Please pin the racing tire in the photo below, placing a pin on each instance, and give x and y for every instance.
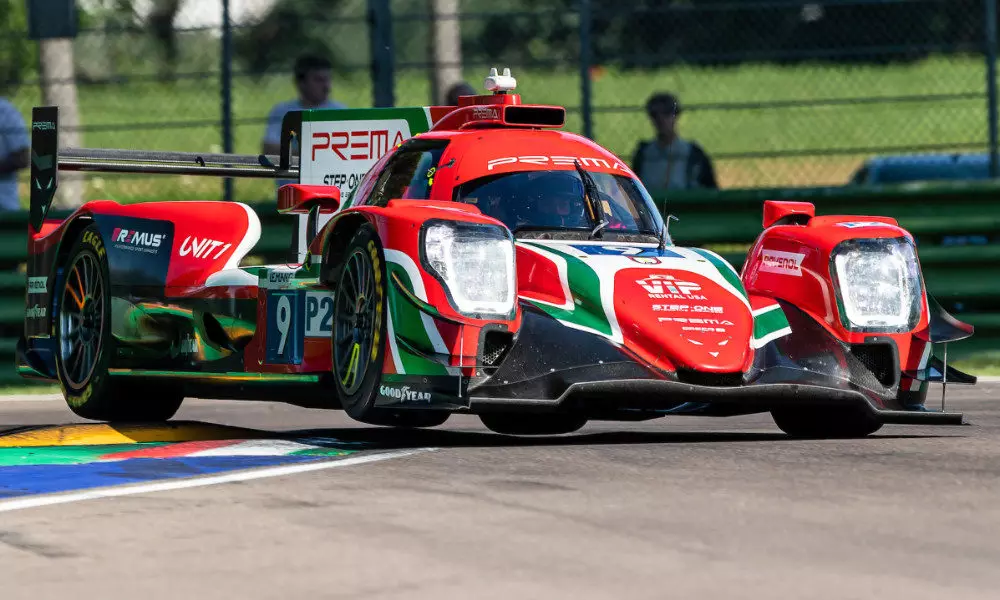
(532, 424)
(825, 423)
(359, 326)
(85, 345)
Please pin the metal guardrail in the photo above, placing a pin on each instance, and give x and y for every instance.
(966, 278)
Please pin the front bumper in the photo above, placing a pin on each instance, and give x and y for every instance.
(652, 396)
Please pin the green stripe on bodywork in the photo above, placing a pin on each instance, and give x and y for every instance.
(408, 325)
(585, 293)
(766, 323)
(725, 269)
(415, 117)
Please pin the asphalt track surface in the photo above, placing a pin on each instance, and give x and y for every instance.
(675, 508)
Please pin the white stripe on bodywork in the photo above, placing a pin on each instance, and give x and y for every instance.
(231, 274)
(760, 343)
(765, 309)
(924, 358)
(437, 342)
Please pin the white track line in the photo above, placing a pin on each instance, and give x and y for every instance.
(165, 486)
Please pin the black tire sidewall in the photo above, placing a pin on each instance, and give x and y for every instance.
(361, 403)
(90, 400)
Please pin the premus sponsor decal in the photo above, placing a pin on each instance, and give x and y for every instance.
(138, 250)
(782, 263)
(135, 240)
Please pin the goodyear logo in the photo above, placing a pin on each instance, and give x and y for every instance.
(404, 394)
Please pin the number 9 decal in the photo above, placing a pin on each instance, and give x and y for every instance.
(284, 319)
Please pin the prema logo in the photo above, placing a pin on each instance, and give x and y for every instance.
(667, 287)
(361, 144)
(203, 248)
(784, 263)
(404, 394)
(567, 161)
(133, 239)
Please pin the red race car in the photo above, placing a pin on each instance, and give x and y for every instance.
(468, 259)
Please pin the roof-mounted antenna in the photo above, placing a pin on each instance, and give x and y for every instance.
(500, 84)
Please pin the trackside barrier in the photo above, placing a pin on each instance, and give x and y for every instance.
(965, 278)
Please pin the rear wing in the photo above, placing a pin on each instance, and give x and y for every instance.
(338, 147)
(47, 160)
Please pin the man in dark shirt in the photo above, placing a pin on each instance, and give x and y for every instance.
(670, 162)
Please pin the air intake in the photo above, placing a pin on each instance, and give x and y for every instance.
(534, 116)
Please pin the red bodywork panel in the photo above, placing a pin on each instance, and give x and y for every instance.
(792, 263)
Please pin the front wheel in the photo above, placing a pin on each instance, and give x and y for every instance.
(532, 424)
(359, 326)
(825, 423)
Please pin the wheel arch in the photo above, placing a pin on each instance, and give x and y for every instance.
(338, 236)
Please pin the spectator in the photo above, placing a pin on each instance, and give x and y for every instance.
(670, 162)
(312, 79)
(459, 89)
(15, 153)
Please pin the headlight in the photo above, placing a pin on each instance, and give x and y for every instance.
(878, 285)
(475, 263)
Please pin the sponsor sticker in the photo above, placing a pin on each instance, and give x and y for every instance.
(404, 394)
(568, 161)
(858, 224)
(203, 248)
(38, 285)
(36, 312)
(668, 287)
(134, 240)
(645, 260)
(692, 308)
(783, 263)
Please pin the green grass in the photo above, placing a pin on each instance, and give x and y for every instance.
(721, 132)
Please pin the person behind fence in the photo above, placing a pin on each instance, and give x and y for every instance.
(15, 153)
(312, 80)
(670, 162)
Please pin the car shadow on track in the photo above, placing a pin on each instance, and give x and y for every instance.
(394, 439)
(386, 438)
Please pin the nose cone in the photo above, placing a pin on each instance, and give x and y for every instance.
(676, 318)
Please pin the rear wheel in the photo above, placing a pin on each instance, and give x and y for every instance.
(824, 423)
(85, 344)
(532, 424)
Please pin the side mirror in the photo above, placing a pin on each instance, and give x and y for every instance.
(296, 198)
(786, 212)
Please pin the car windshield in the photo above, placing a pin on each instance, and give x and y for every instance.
(555, 200)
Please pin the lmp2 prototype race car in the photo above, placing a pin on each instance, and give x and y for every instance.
(468, 259)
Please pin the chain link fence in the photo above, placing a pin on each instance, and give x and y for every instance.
(777, 92)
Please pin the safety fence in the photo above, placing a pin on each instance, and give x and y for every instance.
(777, 92)
(957, 228)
